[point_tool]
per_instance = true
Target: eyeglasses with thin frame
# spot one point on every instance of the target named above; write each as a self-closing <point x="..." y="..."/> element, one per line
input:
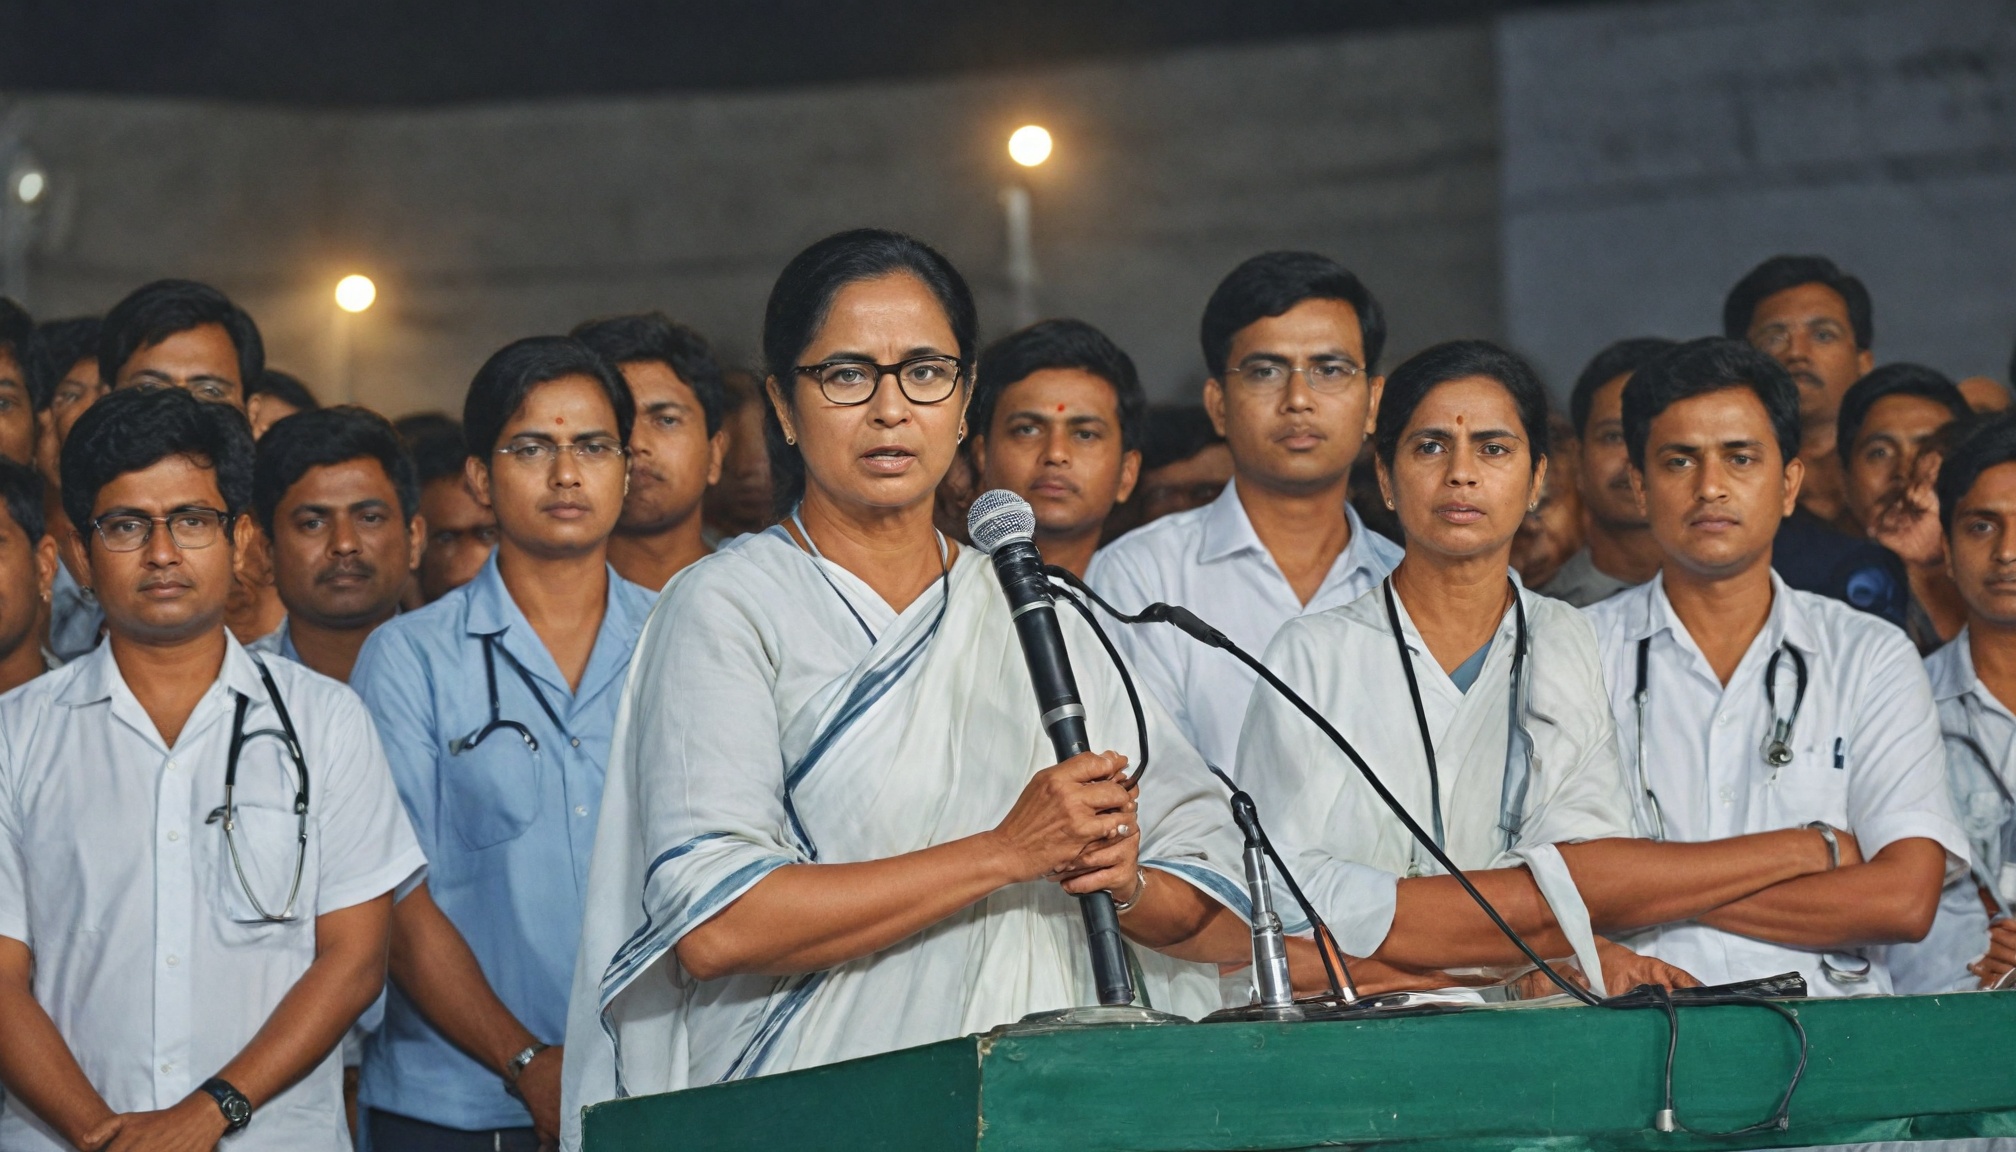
<point x="190" y="528"/>
<point x="593" y="452"/>
<point x="922" y="379"/>
<point x="1322" y="374"/>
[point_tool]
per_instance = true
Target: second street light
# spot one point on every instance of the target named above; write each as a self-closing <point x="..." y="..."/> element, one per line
<point x="1028" y="146"/>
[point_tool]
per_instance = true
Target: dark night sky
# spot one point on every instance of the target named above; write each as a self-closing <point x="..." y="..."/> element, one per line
<point x="353" y="53"/>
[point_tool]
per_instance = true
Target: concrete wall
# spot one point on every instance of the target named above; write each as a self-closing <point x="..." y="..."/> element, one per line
<point x="1654" y="153"/>
<point x="481" y="224"/>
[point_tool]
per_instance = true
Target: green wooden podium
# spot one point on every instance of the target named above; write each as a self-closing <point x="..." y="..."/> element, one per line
<point x="1882" y="1068"/>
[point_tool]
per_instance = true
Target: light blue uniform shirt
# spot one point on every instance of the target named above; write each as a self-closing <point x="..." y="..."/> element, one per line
<point x="507" y="830"/>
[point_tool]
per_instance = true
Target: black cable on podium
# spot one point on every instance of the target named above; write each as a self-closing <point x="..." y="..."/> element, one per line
<point x="1644" y="996"/>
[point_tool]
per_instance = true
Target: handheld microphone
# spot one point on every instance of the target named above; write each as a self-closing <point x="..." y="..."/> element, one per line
<point x="1003" y="525"/>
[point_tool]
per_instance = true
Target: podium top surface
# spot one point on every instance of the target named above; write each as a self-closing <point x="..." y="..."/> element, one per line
<point x="1880" y="1068"/>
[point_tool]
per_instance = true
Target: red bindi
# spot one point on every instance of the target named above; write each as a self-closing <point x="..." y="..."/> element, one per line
<point x="1060" y="408"/>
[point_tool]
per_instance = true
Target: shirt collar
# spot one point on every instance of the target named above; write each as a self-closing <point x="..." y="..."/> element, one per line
<point x="1788" y="622"/>
<point x="1227" y="530"/>
<point x="1951" y="670"/>
<point x="490" y="610"/>
<point x="97" y="675"/>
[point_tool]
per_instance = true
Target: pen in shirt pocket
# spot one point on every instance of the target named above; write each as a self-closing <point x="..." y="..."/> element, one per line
<point x="1839" y="756"/>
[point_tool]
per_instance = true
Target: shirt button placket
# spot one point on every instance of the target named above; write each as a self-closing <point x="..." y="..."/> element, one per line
<point x="175" y="900"/>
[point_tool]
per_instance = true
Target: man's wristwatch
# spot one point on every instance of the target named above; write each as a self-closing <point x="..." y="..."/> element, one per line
<point x="236" y="1108"/>
<point x="1826" y="832"/>
<point x="515" y="1067"/>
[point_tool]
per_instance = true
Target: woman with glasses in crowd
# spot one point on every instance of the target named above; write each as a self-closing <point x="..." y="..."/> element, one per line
<point x="834" y="824"/>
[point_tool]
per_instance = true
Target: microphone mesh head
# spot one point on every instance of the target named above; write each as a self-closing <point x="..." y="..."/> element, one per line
<point x="997" y="517"/>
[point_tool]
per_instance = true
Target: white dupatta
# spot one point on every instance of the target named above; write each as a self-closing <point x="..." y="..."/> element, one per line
<point x="776" y="713"/>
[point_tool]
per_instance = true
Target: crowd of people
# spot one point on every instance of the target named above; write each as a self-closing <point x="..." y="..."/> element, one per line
<point x="655" y="724"/>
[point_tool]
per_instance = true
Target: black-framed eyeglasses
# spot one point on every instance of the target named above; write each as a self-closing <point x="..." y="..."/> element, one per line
<point x="1324" y="374"/>
<point x="189" y="528"/>
<point x="922" y="379"/>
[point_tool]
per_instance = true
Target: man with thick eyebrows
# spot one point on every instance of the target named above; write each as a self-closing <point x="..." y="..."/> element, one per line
<point x="1292" y="342"/>
<point x="1764" y="707"/>
<point x="1058" y="410"/>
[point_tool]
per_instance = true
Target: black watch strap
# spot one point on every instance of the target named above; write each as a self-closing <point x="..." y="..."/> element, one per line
<point x="236" y="1108"/>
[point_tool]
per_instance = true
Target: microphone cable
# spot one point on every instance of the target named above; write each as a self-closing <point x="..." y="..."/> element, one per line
<point x="1644" y="996"/>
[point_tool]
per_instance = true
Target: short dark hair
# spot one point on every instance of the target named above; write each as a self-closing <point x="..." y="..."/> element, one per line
<point x="153" y="312"/>
<point x="135" y="428"/>
<point x="324" y="436"/>
<point x="511" y="374"/>
<point x="64" y="343"/>
<point x="1411" y="382"/>
<point x="1619" y="359"/>
<point x="803" y="295"/>
<point x="655" y="336"/>
<point x="1991" y="444"/>
<point x="284" y="387"/>
<point x="438" y="451"/>
<point x="1059" y="344"/>
<point x="1781" y="272"/>
<point x="1272" y="283"/>
<point x="1893" y="380"/>
<point x="21" y="488"/>
<point x="17" y="337"/>
<point x="1699" y="367"/>
<point x="1174" y="432"/>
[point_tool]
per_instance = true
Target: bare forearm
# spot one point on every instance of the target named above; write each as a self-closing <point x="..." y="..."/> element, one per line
<point x="1437" y="925"/>
<point x="434" y="966"/>
<point x="805" y="917"/>
<point x="1174" y="918"/>
<point x="1634" y="884"/>
<point x="345" y="977"/>
<point x="1888" y="900"/>
<point x="36" y="1065"/>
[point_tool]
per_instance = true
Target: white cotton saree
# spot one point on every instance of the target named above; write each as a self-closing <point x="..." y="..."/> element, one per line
<point x="779" y="712"/>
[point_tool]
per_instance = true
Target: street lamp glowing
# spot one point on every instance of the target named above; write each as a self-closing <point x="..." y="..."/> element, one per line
<point x="1029" y="146"/>
<point x="29" y="186"/>
<point x="355" y="293"/>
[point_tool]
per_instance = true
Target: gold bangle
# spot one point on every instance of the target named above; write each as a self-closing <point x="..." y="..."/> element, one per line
<point x="1140" y="890"/>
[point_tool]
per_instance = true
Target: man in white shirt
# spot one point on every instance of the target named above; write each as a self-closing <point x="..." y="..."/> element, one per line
<point x="1765" y="707"/>
<point x="179" y="955"/>
<point x="1973" y="941"/>
<point x="1292" y="341"/>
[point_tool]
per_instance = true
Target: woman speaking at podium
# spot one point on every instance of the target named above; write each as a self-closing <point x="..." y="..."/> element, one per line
<point x="833" y="824"/>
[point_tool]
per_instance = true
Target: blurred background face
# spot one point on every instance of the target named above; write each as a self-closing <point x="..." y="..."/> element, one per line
<point x="461" y="533"/>
<point x="1981" y="549"/>
<point x="1604" y="463"/>
<point x="75" y="393"/>
<point x="1715" y="485"/>
<point x="741" y="502"/>
<point x="342" y="549"/>
<point x="17" y="411"/>
<point x="27" y="570"/>
<point x="565" y="505"/>
<point x="1191" y="482"/>
<point x="890" y="452"/>
<point x="163" y="593"/>
<point x="1056" y="443"/>
<point x="672" y="459"/>
<point x="201" y="359"/>
<point x="1552" y="532"/>
<point x="1463" y="473"/>
<point x="1806" y="329"/>
<point x="265" y="410"/>
<point x="1288" y="435"/>
<point x="1886" y="449"/>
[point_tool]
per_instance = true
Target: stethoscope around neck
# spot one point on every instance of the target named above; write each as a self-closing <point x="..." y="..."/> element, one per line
<point x="491" y="648"/>
<point x="228" y="813"/>
<point x="1518" y="743"/>
<point x="1777" y="747"/>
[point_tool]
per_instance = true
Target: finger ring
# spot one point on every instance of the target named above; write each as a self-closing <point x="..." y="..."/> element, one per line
<point x="1121" y="830"/>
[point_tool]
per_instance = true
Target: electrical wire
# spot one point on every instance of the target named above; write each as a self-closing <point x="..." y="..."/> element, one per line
<point x="1326" y="944"/>
<point x="1644" y="996"/>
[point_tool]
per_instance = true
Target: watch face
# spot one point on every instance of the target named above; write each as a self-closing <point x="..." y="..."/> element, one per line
<point x="237" y="1109"/>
